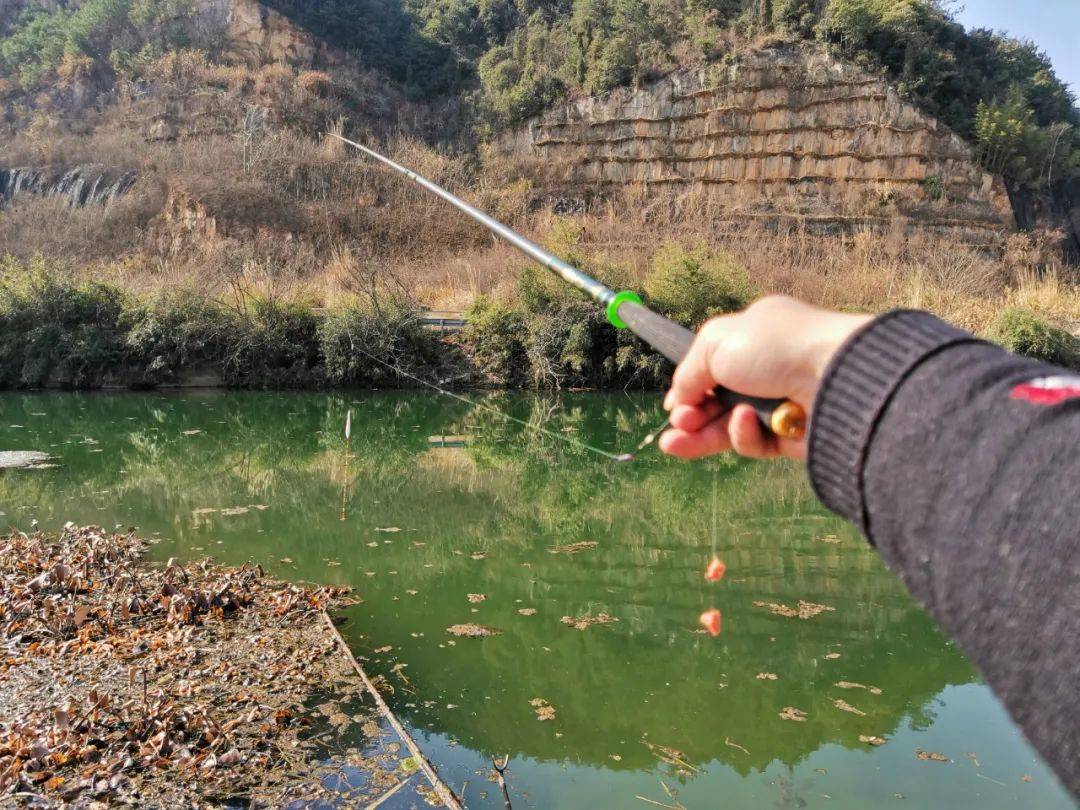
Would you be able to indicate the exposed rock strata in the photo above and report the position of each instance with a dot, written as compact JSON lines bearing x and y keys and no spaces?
{"x":780,"y":132}
{"x":81,"y":185}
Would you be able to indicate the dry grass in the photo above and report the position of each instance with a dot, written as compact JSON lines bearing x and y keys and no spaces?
{"x":256,"y":204}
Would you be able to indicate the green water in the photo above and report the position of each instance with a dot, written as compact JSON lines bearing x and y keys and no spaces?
{"x":478,"y":503}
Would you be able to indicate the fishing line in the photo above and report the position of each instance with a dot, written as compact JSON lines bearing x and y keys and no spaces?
{"x":623,"y":457}
{"x":714,"y":499}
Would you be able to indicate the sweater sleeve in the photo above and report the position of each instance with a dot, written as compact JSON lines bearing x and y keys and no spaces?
{"x":961,"y":463}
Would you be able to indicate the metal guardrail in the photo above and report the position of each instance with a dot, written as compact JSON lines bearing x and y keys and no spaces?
{"x":443,"y":319}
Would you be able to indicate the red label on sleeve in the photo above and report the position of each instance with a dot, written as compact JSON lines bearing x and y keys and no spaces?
{"x":1048,"y":390}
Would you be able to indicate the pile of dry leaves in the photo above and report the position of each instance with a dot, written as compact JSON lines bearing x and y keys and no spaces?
{"x":182,"y":684}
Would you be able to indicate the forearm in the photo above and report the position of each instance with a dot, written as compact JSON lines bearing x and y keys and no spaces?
{"x":973,"y":498}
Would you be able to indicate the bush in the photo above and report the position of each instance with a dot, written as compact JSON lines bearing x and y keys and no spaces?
{"x":54,"y":331}
{"x":692,"y":286}
{"x":173,"y":332}
{"x":352,"y":337}
{"x":276,"y":345}
{"x":496,"y":336}
{"x":1024,"y":333}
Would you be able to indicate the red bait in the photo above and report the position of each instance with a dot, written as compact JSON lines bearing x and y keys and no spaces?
{"x":710,"y":620}
{"x":715,"y":571}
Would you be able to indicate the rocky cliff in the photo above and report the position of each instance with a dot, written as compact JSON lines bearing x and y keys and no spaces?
{"x":783,"y":132}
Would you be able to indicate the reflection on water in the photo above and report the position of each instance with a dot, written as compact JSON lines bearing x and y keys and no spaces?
{"x":442,"y":501}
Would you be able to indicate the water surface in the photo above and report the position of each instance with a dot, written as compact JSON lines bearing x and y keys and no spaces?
{"x":441,"y":500}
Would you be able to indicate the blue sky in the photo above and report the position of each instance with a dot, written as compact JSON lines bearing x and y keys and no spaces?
{"x":1054,"y":25}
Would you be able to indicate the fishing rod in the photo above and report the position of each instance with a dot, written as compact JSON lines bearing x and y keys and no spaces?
{"x":625,"y":309}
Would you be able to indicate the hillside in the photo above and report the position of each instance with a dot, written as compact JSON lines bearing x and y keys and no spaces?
{"x":172,"y":147}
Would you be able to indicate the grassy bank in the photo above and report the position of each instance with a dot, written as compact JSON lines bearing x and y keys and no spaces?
{"x":59,"y":328}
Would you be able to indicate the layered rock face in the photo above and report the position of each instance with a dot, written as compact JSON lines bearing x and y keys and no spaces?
{"x":82,"y":185}
{"x":790,"y":132}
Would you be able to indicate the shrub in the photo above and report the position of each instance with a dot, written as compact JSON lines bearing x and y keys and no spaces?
{"x":496,"y":337}
{"x":364,"y":345}
{"x":1024,"y":333}
{"x":173,"y":332}
{"x":55,"y":331}
{"x":276,"y":345}
{"x":316,"y":82}
{"x":692,"y":286}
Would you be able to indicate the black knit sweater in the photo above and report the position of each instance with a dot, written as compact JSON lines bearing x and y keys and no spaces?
{"x":961,"y":463}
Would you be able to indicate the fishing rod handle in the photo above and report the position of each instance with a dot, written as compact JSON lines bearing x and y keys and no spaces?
{"x":782,"y":417}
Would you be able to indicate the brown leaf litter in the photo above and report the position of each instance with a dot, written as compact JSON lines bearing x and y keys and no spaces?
{"x":472,"y":630}
{"x":805,"y":610}
{"x":573,"y":548}
{"x":930,"y":756}
{"x":847,"y":707}
{"x":178,"y":685}
{"x":543,"y":709}
{"x":791,"y":713}
{"x":873,"y":690}
{"x":585,"y":621}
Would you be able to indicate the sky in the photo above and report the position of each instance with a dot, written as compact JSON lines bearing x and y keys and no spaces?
{"x":1054,"y":25}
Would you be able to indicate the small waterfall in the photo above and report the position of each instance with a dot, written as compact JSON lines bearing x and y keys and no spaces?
{"x":81,"y":185}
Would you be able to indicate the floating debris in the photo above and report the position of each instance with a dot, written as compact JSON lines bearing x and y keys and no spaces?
{"x":711,"y":620}
{"x":24,"y":460}
{"x":543,"y":709}
{"x":527,"y":611}
{"x":930,"y":756}
{"x":472,"y":630}
{"x":391,"y":529}
{"x":791,"y":713}
{"x":586,"y":621}
{"x":870,"y":740}
{"x":847,"y":707}
{"x":806,"y":610}
{"x":831,"y":539}
{"x":573,"y":548}
{"x":715,"y":571}
{"x":873,"y":690}
{"x":766,"y":676}
{"x":476,"y":598}
{"x":671,"y":756}
{"x":192,"y":432}
{"x":832,"y":656}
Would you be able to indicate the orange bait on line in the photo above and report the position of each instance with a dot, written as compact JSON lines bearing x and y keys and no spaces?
{"x":711,"y":620}
{"x":715,"y":571}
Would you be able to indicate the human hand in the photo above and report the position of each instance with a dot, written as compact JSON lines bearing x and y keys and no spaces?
{"x":776,"y":348}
